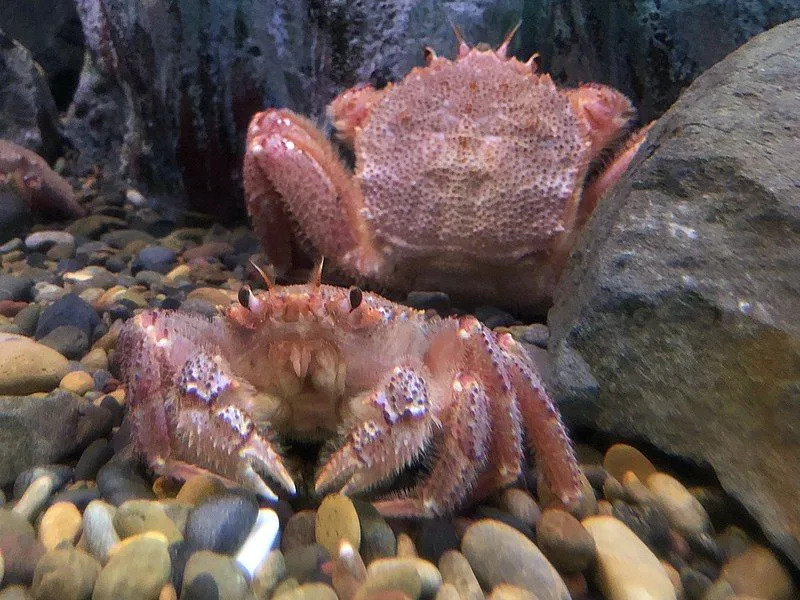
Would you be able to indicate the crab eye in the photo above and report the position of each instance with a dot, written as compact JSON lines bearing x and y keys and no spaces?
{"x":245,"y":295}
{"x":356,"y":296}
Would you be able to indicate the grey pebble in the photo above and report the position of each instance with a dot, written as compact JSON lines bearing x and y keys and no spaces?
{"x":211,"y":576}
{"x":19,"y":547}
{"x":304,"y":563}
{"x":61,"y":475}
{"x":221,"y":523}
{"x":99,"y":535}
{"x":43,"y":240}
{"x":119,"y":480}
{"x":96,"y":454}
{"x":68,"y":341}
{"x":15,"y":287}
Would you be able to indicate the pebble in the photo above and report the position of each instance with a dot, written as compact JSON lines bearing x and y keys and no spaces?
{"x":429,"y":575}
{"x":99,"y":535}
{"x":15,"y":592}
{"x":564,"y":541}
{"x":625,"y":567}
{"x":456,"y":571}
{"x":684,"y":511}
{"x":65,"y":574}
{"x":139,"y":516}
{"x":634,"y":491}
{"x":434,"y":539}
{"x":34,"y":498}
{"x":299,"y":531}
{"x":68,"y":310}
{"x":19,"y":548}
{"x":520,"y":504}
{"x":77,"y":382}
{"x":447,"y":592}
{"x":119,"y":481}
{"x":27,"y":318}
{"x":122,"y":237}
{"x":68,"y":340}
{"x":348,"y":572}
{"x":198,"y":488}
{"x":46,"y":293}
{"x":308,"y":591}
{"x":154,"y":258}
{"x":695,"y":584}
{"x":212,"y":576}
{"x":15,"y":287}
{"x":259,"y":542}
{"x":505,"y":591}
{"x":80,"y":495}
{"x":405,"y":546}
{"x":584,"y":507}
{"x":620,"y":458}
{"x":96,"y":454}
{"x":137,"y":569}
{"x":269,"y":573}
{"x":733,"y":541}
{"x":757,"y":572}
{"x":399,"y":575}
{"x":43,"y":240}
{"x":337,"y":519}
{"x":61,"y":522}
{"x":305,"y":564}
{"x":377,"y":538}
{"x":27,"y":366}
{"x":221,"y":523}
{"x":499,"y":553}
{"x":60,"y":475}
{"x":647,"y":522}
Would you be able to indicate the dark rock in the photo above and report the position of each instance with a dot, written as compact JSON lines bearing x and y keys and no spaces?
{"x":68,"y":340}
{"x":154,"y":258}
{"x":122,"y":237}
{"x":60,"y":475}
{"x":79,"y":496}
{"x":70,"y":309}
{"x":492,"y":317}
{"x":97,"y":454}
{"x":28,"y":318}
{"x":15,"y":287}
{"x":434,"y":538}
{"x":304,"y":563}
{"x":695,"y":584}
{"x":115,"y":264}
{"x":15,"y":213}
{"x":36,"y":259}
{"x":438,"y":301}
{"x":29,"y":435}
{"x":681,"y":295}
{"x":221,"y":523}
{"x":647,"y":522}
{"x":115,"y":408}
{"x":119,"y":480}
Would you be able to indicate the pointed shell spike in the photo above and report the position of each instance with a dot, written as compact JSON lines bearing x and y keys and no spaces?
{"x":502,"y":49}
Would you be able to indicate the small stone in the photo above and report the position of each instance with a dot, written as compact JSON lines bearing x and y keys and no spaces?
{"x":15,"y":592}
{"x":34,"y":498}
{"x":15,"y":287}
{"x":758,"y":573}
{"x":447,"y":592}
{"x":684,"y":511}
{"x":27,"y":366}
{"x":137,"y":569}
{"x":69,"y":310}
{"x":154,"y":258}
{"x":521,"y":505}
{"x":456,"y":571}
{"x":269,"y":573}
{"x":221,"y":523}
{"x":95,"y":360}
{"x":305,"y":563}
{"x":377,"y":538}
{"x":622,"y":457}
{"x":61,"y":522}
{"x":564,"y":541}
{"x":19,"y":548}
{"x":47,"y":293}
{"x":198,"y":488}
{"x":695,"y":584}
{"x":337,"y":519}
{"x":27,"y":318}
{"x":429,"y":575}
{"x":59,"y":474}
{"x":584,"y":507}
{"x":397,"y":575}
{"x":499,"y":553}
{"x":634,"y":491}
{"x":434,"y":539}
{"x":299,"y":530}
{"x":626,"y":568}
{"x":205,"y":569}
{"x":65,"y":574}
{"x":99,"y":535}
{"x":505,"y":591}
{"x":77,"y":382}
{"x":179,"y":273}
{"x":405,"y":546}
{"x":95,"y":455}
{"x":349,"y":571}
{"x":68,"y":341}
{"x":734,"y":541}
{"x":139,"y":516}
{"x":259,"y":542}
{"x":308,"y":591}
{"x":648,"y":523}
{"x":119,"y":481}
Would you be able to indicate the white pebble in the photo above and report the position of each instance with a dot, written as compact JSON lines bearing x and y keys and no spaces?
{"x":263,"y":537}
{"x":34,"y":498}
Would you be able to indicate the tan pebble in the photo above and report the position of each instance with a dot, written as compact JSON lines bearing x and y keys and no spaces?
{"x":584,"y":507}
{"x":456,"y":571}
{"x":144,"y":516}
{"x":757,"y":572}
{"x":684,"y":511}
{"x":299,"y":531}
{"x":564,"y":541}
{"x":634,"y":490}
{"x":109,"y":340}
{"x":625,"y":566}
{"x":506,"y":591}
{"x":447,"y":592}
{"x":349,"y":571}
{"x":92,"y":295}
{"x":198,"y":488}
{"x":109,"y":297}
{"x":622,"y":457}
{"x":521,"y":505}
{"x":383,"y":595}
{"x":405,"y":546}
{"x":400,"y":576}
{"x":34,"y":498}
{"x":287,"y":585}
{"x":27,"y":366}
{"x":168,"y":592}
{"x":95,"y":360}
{"x":308,"y":591}
{"x":77,"y":382}
{"x":269,"y":573}
{"x":674,"y":577}
{"x":429,"y":575}
{"x":179,"y":272}
{"x":213,"y":295}
{"x":61,"y":522}
{"x":118,"y":395}
{"x":337,"y":520}
{"x":605,"y":508}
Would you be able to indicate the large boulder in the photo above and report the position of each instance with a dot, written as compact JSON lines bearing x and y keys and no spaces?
{"x":677,"y":320}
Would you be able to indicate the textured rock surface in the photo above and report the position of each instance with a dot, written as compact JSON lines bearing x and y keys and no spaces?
{"x":676,"y":320}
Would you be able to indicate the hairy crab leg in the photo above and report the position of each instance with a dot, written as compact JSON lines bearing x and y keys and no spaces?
{"x":395,"y":424}
{"x":460,"y":456}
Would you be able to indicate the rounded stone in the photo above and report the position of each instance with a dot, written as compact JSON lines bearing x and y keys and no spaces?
{"x":259,"y":542}
{"x":305,"y":563}
{"x":221,"y":523}
{"x":15,"y":592}
{"x":584,"y":507}
{"x":299,"y":531}
{"x":95,"y":360}
{"x":221,"y":570}
{"x":119,"y":480}
{"x":137,"y":569}
{"x":70,"y":310}
{"x":684,"y":511}
{"x":620,"y":458}
{"x":564,"y":541}
{"x":429,"y":576}
{"x":308,"y":591}
{"x":520,"y":504}
{"x":434,"y":538}
{"x":625,"y":566}
{"x":99,"y":535}
{"x":498,"y":553}
{"x":77,"y":382}
{"x":96,"y":454}
{"x":377,"y":538}
{"x":27,"y":366}
{"x":337,"y":519}
{"x":138,"y":516}
{"x":271,"y":571}
{"x":19,"y":547}
{"x":505,"y":591}
{"x":65,"y":574}
{"x":68,"y":340}
{"x":59,"y":474}
{"x":198,"y":488}
{"x":456,"y":571}
{"x":61,"y":522}
{"x":35,"y":497}
{"x":447,"y":591}
{"x":758,"y":573}
{"x":397,"y":575}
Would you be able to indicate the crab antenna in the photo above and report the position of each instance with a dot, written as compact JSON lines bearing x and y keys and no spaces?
{"x":463,"y":47}
{"x":316,"y":272}
{"x":267,"y":279}
{"x":502,"y":49}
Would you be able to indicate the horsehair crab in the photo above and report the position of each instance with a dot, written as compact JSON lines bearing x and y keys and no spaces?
{"x":470,"y":177}
{"x":382,"y":381}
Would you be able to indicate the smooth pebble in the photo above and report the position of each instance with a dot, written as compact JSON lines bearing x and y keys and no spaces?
{"x":259,"y":542}
{"x":337,"y":519}
{"x":61,"y":522}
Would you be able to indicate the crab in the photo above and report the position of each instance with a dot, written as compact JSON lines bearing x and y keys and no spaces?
{"x":470,"y":178}
{"x":384,"y":384}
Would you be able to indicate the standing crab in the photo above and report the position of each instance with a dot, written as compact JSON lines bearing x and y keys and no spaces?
{"x":381,"y":381}
{"x":470,"y":177}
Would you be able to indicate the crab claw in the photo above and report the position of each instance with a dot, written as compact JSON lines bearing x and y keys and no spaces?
{"x":259,"y":453}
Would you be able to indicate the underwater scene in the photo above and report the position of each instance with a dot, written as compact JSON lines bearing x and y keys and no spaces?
{"x":399,"y":300}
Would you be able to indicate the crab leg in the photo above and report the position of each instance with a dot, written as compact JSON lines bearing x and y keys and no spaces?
{"x":460,"y":457}
{"x":313,"y":188}
{"x":395,"y":424}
